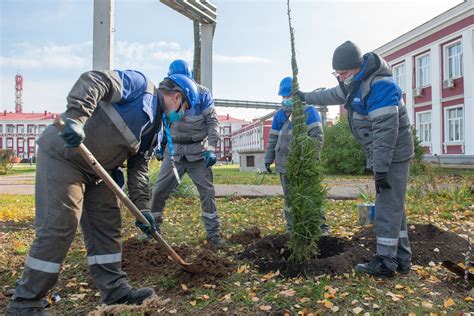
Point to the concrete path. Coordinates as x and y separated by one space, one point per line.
18 184
338 189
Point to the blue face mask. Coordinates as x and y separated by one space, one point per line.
287 102
174 116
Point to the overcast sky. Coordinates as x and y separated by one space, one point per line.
50 43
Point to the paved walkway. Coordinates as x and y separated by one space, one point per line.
338 189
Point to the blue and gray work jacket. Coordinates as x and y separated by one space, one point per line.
121 112
376 111
197 131
279 140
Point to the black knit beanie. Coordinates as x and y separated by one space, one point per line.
347 56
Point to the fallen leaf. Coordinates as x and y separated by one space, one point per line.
304 300
237 283
184 287
426 304
448 303
375 306
193 303
354 302
205 297
172 311
399 287
226 298
255 299
328 304
469 299
77 297
225 309
335 309
288 293
357 310
209 286
265 308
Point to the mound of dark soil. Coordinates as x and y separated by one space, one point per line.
246 237
142 259
339 255
428 243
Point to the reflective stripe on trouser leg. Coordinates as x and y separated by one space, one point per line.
390 211
101 224
286 207
58 201
203 180
164 185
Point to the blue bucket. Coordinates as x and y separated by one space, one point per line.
366 213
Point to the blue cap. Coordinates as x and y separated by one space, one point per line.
180 66
187 86
285 87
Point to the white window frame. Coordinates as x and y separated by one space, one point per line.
20 129
400 78
446 125
417 72
446 59
419 129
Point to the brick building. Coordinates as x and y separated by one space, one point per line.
434 65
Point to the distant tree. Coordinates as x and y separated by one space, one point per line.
6 160
417 166
342 154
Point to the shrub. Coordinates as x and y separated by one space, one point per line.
342 154
417 166
6 160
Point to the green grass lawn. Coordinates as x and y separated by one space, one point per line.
246 291
20 168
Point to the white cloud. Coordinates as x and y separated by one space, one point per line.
28 56
240 59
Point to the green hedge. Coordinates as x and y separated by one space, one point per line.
342 154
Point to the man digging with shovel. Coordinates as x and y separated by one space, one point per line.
192 149
117 115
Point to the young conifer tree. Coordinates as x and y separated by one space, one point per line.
306 191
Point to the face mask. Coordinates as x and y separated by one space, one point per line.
349 80
287 103
174 116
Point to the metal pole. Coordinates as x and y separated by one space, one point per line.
207 33
103 38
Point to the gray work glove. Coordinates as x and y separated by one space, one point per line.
381 181
149 230
159 153
301 95
267 166
73 133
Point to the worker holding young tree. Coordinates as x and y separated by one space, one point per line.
194 140
117 115
379 121
278 147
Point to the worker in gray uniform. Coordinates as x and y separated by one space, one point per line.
117 115
194 139
278 147
379 121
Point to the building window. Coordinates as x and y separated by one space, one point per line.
226 142
226 129
399 75
250 161
453 60
423 127
9 142
41 129
454 118
423 71
20 129
31 129
10 129
1 129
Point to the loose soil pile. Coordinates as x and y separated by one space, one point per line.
142 259
339 255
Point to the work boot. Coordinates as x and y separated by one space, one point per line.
375 267
404 268
135 296
217 242
23 308
324 230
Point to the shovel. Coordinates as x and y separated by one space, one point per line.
455 268
94 164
